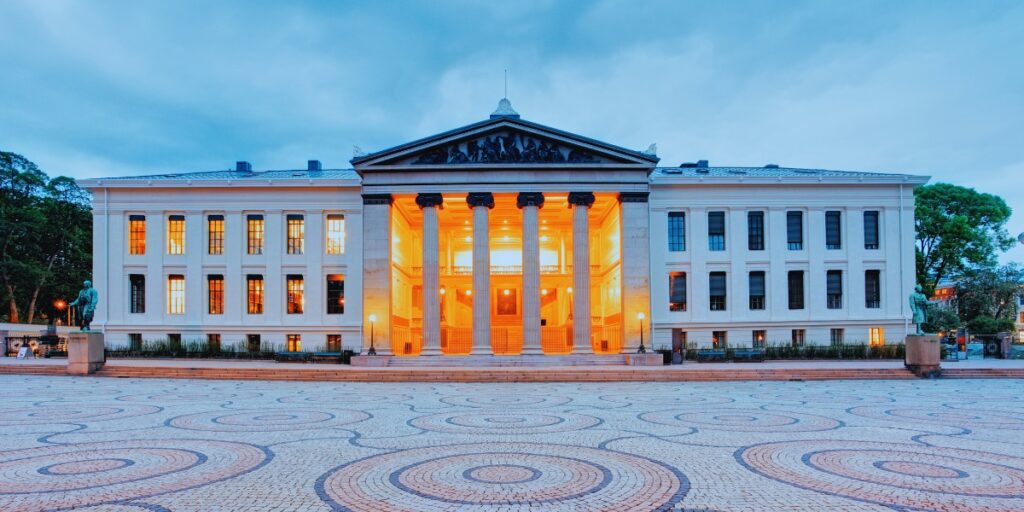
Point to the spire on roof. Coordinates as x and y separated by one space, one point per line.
505 110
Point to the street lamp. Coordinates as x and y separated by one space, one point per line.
60 304
372 351
642 349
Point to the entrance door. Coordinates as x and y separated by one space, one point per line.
678 346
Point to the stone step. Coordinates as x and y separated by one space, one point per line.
33 369
485 361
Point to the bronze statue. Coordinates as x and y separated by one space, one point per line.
919 307
86 304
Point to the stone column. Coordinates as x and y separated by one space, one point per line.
530 203
377 271
430 204
481 203
636 269
580 202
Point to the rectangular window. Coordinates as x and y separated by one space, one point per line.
213 342
795 230
335 234
876 335
799 337
174 340
215 294
716 231
837 336
833 230
136 234
137 283
756 282
716 286
333 343
176 294
871 231
296 294
758 338
135 341
215 227
796 289
176 234
755 231
719 339
294 342
834 285
676 231
296 234
677 291
254 290
252 342
255 229
872 289
336 294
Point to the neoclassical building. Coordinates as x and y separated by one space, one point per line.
505 237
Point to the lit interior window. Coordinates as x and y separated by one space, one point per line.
175 294
335 234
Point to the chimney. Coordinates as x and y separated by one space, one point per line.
243 167
703 164
314 165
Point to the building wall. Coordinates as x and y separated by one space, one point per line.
112 264
894 259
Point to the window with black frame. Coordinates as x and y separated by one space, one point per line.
335 294
677 291
872 289
215 232
676 231
795 230
716 231
137 284
757 293
871 232
716 287
833 230
796 289
755 231
834 285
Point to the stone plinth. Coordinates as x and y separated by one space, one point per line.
85 352
923 355
648 359
371 361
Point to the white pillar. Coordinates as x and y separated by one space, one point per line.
481 203
636 269
530 203
430 203
377 272
580 203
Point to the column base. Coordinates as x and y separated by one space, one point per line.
431 352
532 351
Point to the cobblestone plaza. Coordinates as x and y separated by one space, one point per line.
154 444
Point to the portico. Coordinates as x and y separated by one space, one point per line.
505 237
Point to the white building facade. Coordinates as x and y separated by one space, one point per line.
504 237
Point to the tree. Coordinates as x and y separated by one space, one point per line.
957 228
941 319
45 238
985 298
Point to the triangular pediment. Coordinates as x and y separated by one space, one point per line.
504 142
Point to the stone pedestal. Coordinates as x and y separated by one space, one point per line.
371 361
85 352
922 355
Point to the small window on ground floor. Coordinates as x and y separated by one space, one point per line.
876 335
719 339
294 343
174 340
135 341
334 343
252 342
799 337
758 338
213 342
838 336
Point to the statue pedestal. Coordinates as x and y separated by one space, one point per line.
85 352
922 355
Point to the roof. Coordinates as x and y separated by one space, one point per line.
279 177
776 174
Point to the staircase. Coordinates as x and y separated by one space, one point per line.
532 361
982 373
33 369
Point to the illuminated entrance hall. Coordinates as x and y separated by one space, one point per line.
543 223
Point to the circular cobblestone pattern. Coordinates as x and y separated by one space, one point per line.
78 475
507 401
264 420
512 476
970 419
743 420
70 413
910 476
504 422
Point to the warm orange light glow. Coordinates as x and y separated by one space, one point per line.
373 318
469 292
469 239
570 289
544 292
640 316
544 238
505 292
441 291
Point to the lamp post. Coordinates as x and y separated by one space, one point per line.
642 349
60 305
372 351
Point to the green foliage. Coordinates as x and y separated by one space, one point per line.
989 325
786 351
45 239
941 319
196 348
957 228
986 298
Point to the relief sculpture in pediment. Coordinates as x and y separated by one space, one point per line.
504 149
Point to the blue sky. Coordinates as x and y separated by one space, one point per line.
123 87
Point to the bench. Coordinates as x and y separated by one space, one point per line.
292 357
748 355
706 355
326 357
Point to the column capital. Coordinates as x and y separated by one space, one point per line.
633 197
530 199
480 199
428 200
581 199
378 199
